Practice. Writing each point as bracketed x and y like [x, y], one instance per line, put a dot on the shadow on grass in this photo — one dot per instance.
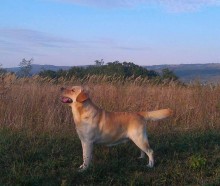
[181, 159]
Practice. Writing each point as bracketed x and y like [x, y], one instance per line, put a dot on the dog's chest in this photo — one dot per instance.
[85, 131]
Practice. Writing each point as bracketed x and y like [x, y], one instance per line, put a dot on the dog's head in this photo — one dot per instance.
[74, 94]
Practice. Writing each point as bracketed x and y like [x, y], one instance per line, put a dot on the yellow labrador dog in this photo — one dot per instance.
[95, 126]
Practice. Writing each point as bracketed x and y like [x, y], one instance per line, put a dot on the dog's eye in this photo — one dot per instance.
[73, 90]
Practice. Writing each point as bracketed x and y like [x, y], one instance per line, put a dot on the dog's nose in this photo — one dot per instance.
[62, 89]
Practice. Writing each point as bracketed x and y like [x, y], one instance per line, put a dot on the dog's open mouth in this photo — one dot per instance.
[66, 100]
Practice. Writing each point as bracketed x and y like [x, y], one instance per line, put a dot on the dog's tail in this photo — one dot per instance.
[157, 114]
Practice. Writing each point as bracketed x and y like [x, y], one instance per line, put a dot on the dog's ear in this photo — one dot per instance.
[83, 96]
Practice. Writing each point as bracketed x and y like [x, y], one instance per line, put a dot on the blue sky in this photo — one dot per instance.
[77, 32]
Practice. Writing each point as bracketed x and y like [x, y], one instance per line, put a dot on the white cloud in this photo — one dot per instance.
[188, 5]
[33, 38]
[170, 5]
[40, 43]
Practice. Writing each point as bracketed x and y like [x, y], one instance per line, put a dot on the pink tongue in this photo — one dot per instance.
[65, 100]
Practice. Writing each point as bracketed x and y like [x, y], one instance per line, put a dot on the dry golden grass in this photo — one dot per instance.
[38, 145]
[34, 103]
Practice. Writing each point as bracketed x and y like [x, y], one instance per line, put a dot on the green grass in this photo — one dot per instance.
[46, 159]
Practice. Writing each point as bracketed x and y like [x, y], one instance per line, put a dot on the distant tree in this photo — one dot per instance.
[61, 73]
[2, 70]
[78, 72]
[56, 74]
[168, 74]
[25, 67]
[48, 73]
[128, 69]
[99, 62]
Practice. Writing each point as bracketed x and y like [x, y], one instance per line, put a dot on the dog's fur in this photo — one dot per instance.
[95, 125]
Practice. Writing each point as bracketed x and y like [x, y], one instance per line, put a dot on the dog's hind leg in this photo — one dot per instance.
[140, 139]
[144, 146]
[142, 155]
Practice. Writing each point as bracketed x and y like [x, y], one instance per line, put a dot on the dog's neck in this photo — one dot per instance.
[83, 111]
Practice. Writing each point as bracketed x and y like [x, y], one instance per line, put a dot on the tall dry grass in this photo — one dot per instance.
[33, 104]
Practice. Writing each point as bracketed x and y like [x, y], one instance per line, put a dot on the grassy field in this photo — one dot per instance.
[39, 145]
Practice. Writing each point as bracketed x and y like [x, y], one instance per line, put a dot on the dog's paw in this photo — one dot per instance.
[150, 164]
[141, 157]
[82, 168]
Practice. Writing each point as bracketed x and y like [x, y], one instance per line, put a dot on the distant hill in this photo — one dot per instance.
[190, 72]
[186, 72]
[37, 68]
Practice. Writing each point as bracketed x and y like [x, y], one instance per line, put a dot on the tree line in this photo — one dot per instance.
[111, 69]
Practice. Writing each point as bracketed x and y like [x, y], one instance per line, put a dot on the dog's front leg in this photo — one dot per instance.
[87, 148]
